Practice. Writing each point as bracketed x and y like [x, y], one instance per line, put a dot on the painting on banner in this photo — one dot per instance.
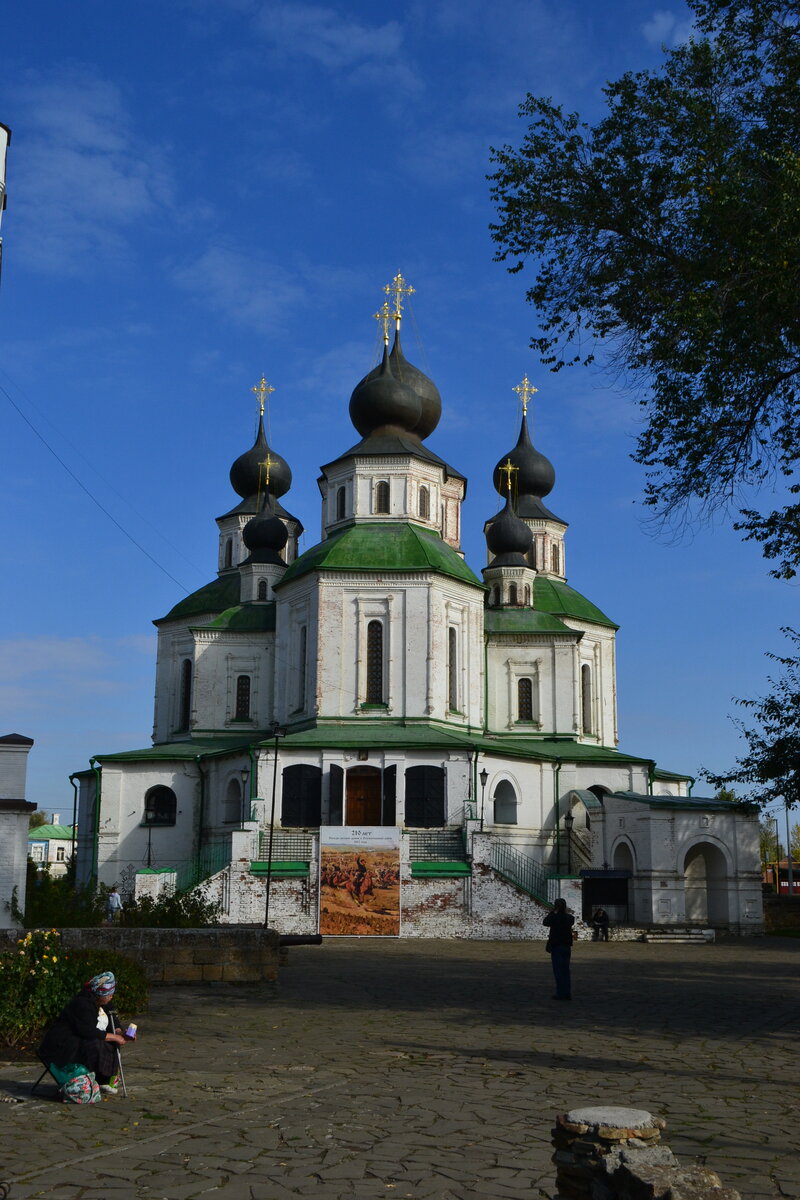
[359, 881]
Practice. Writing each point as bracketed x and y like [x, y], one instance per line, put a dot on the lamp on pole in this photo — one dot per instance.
[278, 732]
[484, 775]
[245, 810]
[569, 821]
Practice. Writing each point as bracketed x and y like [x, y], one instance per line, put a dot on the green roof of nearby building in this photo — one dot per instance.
[382, 547]
[215, 597]
[525, 620]
[705, 803]
[180, 751]
[246, 618]
[48, 833]
[553, 596]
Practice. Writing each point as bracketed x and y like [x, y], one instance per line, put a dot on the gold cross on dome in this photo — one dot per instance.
[384, 315]
[508, 470]
[398, 288]
[525, 390]
[263, 390]
[265, 467]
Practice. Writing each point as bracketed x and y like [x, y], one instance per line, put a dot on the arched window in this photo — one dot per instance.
[185, 710]
[527, 594]
[524, 700]
[375, 663]
[242, 711]
[452, 669]
[160, 806]
[586, 699]
[302, 649]
[229, 553]
[532, 554]
[341, 497]
[382, 497]
[556, 559]
[505, 803]
[262, 589]
[234, 809]
[424, 506]
[512, 594]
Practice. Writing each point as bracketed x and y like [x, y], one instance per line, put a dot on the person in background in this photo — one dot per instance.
[560, 922]
[82, 1034]
[113, 905]
[599, 925]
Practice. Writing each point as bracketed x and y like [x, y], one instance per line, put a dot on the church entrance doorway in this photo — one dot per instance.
[364, 796]
[705, 885]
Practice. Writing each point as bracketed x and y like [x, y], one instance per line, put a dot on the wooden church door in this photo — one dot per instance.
[363, 796]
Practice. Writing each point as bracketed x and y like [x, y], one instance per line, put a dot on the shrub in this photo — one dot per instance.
[38, 977]
[55, 900]
[185, 910]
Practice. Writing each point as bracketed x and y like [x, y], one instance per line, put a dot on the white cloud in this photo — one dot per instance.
[665, 29]
[249, 290]
[83, 178]
[324, 35]
[39, 673]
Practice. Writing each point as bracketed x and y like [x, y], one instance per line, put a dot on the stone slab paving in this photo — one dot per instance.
[421, 1069]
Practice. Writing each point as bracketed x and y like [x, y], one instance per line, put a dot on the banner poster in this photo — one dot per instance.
[359, 881]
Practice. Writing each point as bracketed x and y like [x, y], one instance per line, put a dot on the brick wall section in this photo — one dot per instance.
[782, 912]
[229, 954]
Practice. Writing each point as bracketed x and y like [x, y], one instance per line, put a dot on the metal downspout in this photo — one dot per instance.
[558, 815]
[251, 750]
[692, 782]
[72, 779]
[198, 758]
[651, 774]
[98, 792]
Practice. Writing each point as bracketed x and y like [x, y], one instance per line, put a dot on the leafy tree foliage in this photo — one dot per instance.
[771, 767]
[671, 228]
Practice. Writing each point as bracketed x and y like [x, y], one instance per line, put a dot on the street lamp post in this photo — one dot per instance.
[789, 880]
[245, 808]
[569, 821]
[278, 732]
[484, 775]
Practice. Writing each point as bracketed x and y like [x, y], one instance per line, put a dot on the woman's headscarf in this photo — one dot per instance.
[103, 985]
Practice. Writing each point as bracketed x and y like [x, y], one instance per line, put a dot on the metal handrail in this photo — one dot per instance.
[520, 869]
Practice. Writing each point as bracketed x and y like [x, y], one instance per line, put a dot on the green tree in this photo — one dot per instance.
[769, 843]
[671, 230]
[37, 819]
[771, 767]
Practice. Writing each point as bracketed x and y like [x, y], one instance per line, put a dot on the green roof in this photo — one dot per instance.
[44, 833]
[382, 547]
[524, 620]
[179, 751]
[215, 597]
[553, 596]
[246, 618]
[701, 803]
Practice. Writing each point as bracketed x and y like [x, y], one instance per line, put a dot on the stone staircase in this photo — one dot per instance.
[673, 935]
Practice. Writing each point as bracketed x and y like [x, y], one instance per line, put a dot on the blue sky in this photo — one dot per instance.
[204, 190]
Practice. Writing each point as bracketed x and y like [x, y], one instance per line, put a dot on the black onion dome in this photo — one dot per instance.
[425, 388]
[508, 538]
[247, 473]
[381, 400]
[265, 534]
[536, 474]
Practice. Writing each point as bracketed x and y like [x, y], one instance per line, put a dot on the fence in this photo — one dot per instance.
[212, 857]
[437, 845]
[286, 847]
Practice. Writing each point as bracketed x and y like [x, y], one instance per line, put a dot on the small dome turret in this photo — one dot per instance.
[508, 538]
[247, 473]
[265, 534]
[535, 473]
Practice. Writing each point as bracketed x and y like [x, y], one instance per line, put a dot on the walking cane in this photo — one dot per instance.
[115, 1024]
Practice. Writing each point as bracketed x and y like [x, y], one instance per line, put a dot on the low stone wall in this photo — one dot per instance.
[229, 954]
[606, 1152]
[782, 912]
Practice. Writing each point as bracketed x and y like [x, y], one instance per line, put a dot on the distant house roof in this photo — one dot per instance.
[50, 833]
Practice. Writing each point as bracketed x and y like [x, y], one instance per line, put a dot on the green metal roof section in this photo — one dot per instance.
[525, 620]
[215, 597]
[246, 618]
[687, 803]
[181, 751]
[382, 547]
[553, 596]
[51, 833]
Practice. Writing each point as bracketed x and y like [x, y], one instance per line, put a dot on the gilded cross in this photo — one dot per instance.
[398, 288]
[384, 315]
[262, 391]
[265, 467]
[508, 470]
[525, 390]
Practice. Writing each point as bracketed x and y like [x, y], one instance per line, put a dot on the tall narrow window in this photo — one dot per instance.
[527, 594]
[262, 589]
[452, 669]
[302, 649]
[340, 503]
[586, 699]
[524, 700]
[375, 663]
[229, 553]
[424, 504]
[512, 594]
[382, 497]
[556, 560]
[185, 712]
[532, 554]
[242, 712]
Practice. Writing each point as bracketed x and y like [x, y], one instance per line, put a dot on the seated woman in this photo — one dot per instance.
[82, 1035]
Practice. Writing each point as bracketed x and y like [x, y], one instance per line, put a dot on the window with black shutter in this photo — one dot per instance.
[425, 797]
[302, 796]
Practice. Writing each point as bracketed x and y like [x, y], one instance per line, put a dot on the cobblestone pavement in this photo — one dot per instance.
[420, 1069]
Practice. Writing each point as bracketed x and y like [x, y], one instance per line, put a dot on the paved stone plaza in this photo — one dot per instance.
[430, 1069]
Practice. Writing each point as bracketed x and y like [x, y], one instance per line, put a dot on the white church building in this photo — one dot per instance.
[377, 680]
